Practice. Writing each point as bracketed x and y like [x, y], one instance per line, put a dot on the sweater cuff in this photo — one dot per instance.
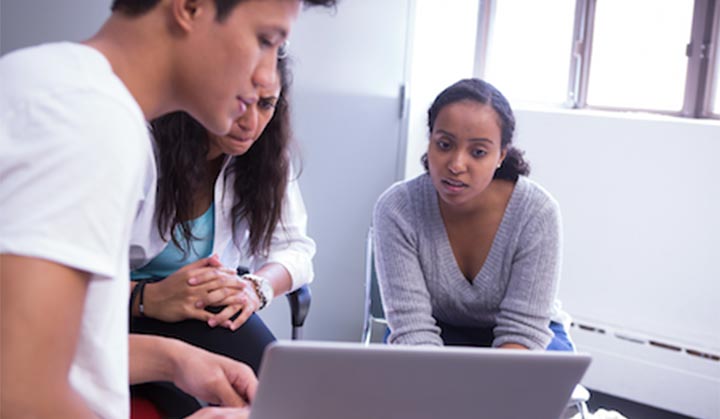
[537, 342]
[415, 338]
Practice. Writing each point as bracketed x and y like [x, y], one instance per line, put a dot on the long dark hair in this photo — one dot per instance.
[483, 92]
[261, 174]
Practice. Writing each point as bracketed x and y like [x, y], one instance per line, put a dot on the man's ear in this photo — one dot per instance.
[185, 13]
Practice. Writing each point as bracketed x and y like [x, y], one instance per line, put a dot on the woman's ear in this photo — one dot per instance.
[503, 153]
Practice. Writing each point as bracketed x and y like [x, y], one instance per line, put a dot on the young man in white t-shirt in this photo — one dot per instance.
[74, 156]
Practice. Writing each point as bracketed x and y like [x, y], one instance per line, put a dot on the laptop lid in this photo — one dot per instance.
[336, 380]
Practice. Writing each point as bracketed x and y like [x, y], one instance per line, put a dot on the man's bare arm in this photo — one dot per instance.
[210, 377]
[41, 306]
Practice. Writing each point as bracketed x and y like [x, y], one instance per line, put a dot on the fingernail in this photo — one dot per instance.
[192, 281]
[211, 323]
[199, 304]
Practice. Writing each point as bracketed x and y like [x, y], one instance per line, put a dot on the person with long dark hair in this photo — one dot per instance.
[221, 202]
[468, 253]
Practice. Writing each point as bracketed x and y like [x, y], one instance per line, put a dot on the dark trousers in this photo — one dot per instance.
[246, 344]
[484, 336]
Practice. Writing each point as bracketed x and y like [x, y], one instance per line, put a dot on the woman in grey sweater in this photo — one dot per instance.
[468, 253]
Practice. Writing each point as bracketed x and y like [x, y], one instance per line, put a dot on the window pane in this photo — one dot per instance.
[529, 50]
[638, 54]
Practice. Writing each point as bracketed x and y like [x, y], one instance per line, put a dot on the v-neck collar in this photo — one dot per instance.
[495, 253]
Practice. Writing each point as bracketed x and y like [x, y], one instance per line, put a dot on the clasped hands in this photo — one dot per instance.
[205, 283]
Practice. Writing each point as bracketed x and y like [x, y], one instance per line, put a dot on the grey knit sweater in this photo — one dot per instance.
[420, 280]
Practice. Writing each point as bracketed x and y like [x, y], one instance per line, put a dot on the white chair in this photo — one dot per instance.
[375, 314]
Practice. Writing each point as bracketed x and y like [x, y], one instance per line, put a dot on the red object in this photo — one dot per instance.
[142, 409]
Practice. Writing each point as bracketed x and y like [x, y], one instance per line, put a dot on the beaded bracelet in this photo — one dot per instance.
[262, 287]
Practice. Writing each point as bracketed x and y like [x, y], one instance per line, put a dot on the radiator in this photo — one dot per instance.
[650, 370]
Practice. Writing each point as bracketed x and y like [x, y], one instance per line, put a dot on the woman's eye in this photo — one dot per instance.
[266, 104]
[442, 144]
[478, 153]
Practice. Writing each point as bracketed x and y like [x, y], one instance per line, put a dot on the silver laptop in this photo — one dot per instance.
[333, 380]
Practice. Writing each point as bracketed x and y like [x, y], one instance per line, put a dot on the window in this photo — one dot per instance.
[649, 55]
[638, 54]
[533, 67]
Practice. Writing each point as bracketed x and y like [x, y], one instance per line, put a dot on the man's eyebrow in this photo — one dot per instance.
[280, 30]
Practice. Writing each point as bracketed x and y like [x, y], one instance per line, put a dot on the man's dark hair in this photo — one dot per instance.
[223, 7]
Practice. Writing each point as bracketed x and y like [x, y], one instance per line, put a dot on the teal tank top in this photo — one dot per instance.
[172, 257]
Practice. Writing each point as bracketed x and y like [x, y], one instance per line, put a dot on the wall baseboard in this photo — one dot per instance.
[650, 370]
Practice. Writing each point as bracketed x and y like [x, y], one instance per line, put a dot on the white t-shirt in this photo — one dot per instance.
[74, 152]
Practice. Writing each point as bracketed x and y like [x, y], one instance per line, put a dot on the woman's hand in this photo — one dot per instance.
[248, 301]
[221, 413]
[245, 302]
[185, 294]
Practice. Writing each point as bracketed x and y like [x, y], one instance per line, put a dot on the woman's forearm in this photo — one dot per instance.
[278, 276]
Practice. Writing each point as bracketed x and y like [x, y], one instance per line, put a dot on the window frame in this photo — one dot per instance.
[701, 52]
[713, 63]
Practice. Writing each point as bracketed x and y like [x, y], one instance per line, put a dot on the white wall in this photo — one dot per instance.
[641, 209]
[640, 200]
[29, 22]
[345, 103]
